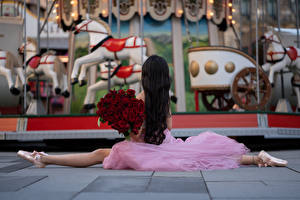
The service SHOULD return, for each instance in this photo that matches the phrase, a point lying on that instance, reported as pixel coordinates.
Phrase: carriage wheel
(217, 100)
(244, 89)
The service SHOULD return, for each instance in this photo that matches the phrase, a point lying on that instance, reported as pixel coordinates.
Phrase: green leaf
(99, 121)
(127, 137)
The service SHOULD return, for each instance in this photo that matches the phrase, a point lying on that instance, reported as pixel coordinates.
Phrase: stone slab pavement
(20, 180)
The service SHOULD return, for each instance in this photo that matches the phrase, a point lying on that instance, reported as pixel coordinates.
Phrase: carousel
(235, 65)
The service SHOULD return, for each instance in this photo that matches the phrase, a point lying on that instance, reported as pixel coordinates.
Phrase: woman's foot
(34, 157)
(268, 160)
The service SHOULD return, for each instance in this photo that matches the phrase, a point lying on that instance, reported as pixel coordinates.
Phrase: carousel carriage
(227, 76)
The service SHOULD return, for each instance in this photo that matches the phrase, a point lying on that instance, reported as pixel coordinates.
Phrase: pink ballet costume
(206, 151)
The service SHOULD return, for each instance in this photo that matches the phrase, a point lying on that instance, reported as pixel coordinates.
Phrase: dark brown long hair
(156, 84)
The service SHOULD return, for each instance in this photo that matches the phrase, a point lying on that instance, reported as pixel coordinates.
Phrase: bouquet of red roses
(122, 110)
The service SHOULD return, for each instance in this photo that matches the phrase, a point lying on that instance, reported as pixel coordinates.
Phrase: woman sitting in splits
(154, 148)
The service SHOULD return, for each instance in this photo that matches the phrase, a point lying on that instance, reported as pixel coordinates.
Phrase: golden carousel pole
(297, 23)
(283, 105)
(118, 19)
(24, 63)
(109, 24)
(142, 28)
(256, 52)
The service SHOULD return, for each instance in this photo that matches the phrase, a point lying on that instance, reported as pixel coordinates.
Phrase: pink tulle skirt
(205, 151)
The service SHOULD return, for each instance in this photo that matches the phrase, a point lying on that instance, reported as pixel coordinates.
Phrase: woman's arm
(141, 95)
(136, 138)
(169, 121)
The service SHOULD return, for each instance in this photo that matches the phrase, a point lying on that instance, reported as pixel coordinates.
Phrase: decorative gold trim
(229, 67)
(211, 67)
(11, 20)
(194, 68)
(218, 48)
(210, 87)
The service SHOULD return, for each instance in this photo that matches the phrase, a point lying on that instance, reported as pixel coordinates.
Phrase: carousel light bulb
(211, 13)
(233, 22)
(229, 4)
(103, 12)
(54, 11)
(72, 2)
(73, 14)
(57, 17)
(233, 10)
(229, 17)
(211, 1)
(180, 11)
(56, 5)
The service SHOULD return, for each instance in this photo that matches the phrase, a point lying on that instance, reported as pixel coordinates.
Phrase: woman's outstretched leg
(73, 160)
(251, 160)
(263, 159)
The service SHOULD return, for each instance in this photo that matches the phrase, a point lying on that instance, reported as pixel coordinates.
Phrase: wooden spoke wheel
(244, 92)
(217, 100)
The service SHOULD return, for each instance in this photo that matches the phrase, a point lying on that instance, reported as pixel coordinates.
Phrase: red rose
(135, 131)
(131, 93)
(125, 113)
(139, 121)
(131, 116)
(141, 106)
(124, 102)
(123, 126)
(122, 92)
(121, 110)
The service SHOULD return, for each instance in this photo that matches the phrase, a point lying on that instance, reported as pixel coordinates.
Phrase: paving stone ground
(20, 180)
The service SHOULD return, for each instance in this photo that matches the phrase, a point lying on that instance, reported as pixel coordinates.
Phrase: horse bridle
(271, 39)
(275, 52)
(78, 30)
(27, 50)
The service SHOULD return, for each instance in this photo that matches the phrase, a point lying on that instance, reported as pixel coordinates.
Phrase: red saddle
(292, 53)
(125, 71)
(34, 62)
(114, 45)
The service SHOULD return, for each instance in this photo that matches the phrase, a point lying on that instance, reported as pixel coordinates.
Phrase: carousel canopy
(160, 10)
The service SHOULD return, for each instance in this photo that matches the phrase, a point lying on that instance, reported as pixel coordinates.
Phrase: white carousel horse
(48, 65)
(120, 75)
(103, 47)
(9, 66)
(279, 57)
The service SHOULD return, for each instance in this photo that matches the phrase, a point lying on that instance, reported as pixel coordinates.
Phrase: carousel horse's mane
(31, 40)
(274, 32)
(278, 36)
(270, 28)
(50, 53)
(104, 24)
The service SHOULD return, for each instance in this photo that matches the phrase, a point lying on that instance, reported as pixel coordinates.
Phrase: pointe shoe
(269, 160)
(34, 158)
